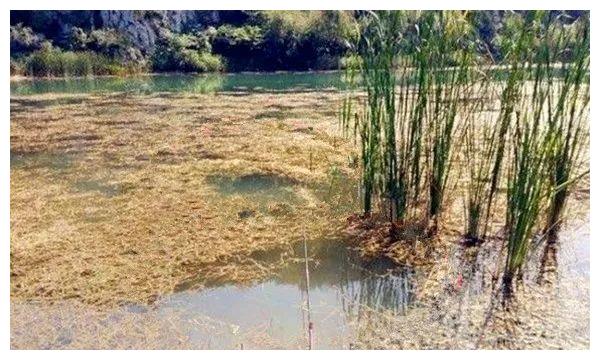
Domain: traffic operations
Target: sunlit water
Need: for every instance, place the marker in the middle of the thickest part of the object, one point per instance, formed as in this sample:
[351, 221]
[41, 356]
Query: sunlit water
[195, 83]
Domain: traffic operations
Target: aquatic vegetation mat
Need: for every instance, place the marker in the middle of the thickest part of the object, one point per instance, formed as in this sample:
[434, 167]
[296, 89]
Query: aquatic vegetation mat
[119, 198]
[127, 208]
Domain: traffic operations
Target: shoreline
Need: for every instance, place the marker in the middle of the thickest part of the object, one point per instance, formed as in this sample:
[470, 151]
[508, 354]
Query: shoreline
[18, 78]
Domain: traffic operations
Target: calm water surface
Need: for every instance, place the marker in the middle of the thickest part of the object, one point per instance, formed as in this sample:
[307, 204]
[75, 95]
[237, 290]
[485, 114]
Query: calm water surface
[265, 82]
[198, 83]
[342, 290]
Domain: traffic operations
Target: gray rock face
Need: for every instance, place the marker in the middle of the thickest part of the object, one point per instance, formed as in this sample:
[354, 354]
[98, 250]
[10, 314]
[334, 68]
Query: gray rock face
[141, 27]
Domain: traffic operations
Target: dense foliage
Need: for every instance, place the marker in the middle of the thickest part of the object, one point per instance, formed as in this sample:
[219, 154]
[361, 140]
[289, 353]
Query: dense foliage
[205, 41]
[185, 53]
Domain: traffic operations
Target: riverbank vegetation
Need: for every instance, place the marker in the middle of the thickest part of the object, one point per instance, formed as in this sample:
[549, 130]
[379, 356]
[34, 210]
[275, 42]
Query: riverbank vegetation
[243, 41]
[532, 147]
[204, 41]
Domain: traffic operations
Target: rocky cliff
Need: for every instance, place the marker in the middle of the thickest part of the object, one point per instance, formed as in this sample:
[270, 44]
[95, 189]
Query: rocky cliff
[140, 27]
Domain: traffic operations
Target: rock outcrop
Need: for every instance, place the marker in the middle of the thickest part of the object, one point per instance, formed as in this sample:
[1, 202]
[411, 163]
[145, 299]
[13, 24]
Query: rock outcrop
[140, 27]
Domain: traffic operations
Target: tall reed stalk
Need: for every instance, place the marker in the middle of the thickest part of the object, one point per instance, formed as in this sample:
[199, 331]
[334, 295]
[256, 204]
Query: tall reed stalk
[377, 49]
[549, 135]
[486, 159]
[447, 40]
[526, 188]
[479, 140]
[567, 115]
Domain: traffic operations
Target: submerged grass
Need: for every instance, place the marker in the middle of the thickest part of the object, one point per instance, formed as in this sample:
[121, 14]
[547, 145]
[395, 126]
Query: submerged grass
[170, 223]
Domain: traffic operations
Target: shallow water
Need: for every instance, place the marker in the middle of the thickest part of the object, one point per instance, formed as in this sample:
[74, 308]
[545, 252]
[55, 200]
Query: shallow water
[257, 82]
[350, 299]
[341, 287]
[53, 161]
[348, 295]
[261, 190]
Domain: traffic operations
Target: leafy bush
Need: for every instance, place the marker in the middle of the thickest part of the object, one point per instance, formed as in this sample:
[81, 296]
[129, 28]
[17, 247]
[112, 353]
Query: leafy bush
[241, 46]
[198, 61]
[326, 40]
[108, 42]
[186, 53]
[303, 40]
[247, 35]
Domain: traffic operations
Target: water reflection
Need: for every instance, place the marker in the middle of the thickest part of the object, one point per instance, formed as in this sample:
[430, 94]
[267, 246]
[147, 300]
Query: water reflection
[343, 292]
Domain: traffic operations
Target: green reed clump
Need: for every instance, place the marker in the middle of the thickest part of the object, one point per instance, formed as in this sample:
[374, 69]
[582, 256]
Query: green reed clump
[376, 124]
[413, 88]
[567, 115]
[425, 88]
[537, 135]
[55, 62]
[486, 138]
[526, 185]
[448, 47]
[527, 161]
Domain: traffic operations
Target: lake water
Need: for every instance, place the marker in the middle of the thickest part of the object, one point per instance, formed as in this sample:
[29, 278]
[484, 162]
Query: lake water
[344, 291]
[304, 81]
[196, 83]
